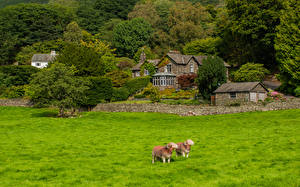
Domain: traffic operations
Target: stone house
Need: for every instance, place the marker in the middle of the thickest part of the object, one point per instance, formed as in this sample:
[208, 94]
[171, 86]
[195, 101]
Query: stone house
[42, 60]
[240, 92]
[170, 67]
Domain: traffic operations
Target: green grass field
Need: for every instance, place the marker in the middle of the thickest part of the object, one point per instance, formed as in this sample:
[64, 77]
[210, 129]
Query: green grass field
[114, 149]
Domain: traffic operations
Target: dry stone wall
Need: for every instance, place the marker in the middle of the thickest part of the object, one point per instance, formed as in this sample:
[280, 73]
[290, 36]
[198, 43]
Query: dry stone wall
[185, 110]
[15, 102]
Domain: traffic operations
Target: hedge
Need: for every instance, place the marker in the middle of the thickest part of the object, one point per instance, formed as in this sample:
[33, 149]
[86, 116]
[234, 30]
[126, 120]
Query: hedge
[100, 90]
[137, 84]
[120, 94]
[16, 75]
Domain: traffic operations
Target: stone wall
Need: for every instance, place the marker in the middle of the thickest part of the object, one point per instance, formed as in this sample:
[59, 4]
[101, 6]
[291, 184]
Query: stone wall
[196, 110]
[224, 98]
[15, 102]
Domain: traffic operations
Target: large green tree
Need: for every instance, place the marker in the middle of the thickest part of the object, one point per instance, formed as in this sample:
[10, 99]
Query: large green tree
[211, 75]
[129, 36]
[25, 24]
[287, 45]
[253, 26]
[58, 86]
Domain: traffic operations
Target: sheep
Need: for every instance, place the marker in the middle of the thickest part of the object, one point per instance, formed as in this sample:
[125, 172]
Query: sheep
[184, 148]
[163, 152]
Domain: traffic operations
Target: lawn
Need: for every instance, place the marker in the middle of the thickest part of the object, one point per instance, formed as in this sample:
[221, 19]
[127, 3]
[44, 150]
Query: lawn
[114, 149]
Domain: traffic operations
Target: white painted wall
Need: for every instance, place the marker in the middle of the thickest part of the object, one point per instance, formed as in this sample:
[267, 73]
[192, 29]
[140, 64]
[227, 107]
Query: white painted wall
[39, 64]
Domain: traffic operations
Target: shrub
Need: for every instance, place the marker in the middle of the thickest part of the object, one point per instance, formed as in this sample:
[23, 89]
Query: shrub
[14, 92]
[152, 92]
[136, 84]
[100, 89]
[16, 75]
[118, 78]
[187, 81]
[250, 72]
[297, 91]
[120, 94]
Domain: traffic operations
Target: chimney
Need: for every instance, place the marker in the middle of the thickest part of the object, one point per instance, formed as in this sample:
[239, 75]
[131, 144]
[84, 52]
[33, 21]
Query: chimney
[143, 57]
[53, 53]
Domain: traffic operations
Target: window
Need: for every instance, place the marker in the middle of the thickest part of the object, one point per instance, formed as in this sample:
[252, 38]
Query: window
[146, 72]
[192, 68]
[38, 64]
[169, 68]
[137, 74]
[233, 95]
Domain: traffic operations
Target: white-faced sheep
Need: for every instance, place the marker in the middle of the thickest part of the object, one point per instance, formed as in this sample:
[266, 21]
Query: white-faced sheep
[163, 152]
[184, 148]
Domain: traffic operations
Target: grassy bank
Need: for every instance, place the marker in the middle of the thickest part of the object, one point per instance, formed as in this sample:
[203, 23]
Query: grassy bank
[114, 149]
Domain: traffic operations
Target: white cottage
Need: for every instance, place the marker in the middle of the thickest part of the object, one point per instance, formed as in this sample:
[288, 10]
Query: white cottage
[42, 60]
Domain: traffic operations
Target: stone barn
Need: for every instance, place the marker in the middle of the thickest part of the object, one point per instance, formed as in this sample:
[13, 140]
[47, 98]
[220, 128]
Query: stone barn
[240, 92]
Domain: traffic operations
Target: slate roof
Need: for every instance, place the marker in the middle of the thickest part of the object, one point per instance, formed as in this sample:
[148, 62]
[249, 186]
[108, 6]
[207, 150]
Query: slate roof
[238, 87]
[43, 58]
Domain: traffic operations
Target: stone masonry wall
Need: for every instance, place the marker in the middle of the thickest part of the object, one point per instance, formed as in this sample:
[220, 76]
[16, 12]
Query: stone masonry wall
[196, 110]
[15, 102]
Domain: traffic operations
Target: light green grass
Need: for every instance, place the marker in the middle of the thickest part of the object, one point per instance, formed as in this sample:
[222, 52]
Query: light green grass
[114, 149]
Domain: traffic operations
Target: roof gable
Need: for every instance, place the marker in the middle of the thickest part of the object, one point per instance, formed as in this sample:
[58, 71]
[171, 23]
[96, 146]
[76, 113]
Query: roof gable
[43, 58]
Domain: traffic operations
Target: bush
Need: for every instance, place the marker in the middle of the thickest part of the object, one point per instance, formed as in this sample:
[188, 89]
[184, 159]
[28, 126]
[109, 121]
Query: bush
[100, 89]
[120, 94]
[14, 92]
[187, 81]
[16, 75]
[297, 91]
[181, 94]
[136, 84]
[250, 72]
[118, 78]
[152, 92]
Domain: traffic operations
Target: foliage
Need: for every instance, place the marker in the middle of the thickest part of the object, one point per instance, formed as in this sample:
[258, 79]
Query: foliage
[120, 94]
[90, 59]
[26, 53]
[152, 92]
[297, 91]
[187, 80]
[25, 24]
[4, 3]
[149, 67]
[73, 33]
[211, 75]
[287, 46]
[16, 75]
[171, 93]
[106, 30]
[58, 86]
[136, 84]
[129, 36]
[124, 63]
[250, 72]
[116, 144]
[253, 29]
[118, 77]
[14, 92]
[206, 46]
[100, 90]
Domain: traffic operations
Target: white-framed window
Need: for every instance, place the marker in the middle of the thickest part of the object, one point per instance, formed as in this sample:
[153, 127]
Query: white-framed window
[232, 95]
[38, 64]
[169, 68]
[192, 68]
[146, 72]
[137, 74]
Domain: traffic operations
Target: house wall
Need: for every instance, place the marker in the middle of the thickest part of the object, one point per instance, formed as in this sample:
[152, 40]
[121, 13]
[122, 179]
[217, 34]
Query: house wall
[41, 64]
[224, 98]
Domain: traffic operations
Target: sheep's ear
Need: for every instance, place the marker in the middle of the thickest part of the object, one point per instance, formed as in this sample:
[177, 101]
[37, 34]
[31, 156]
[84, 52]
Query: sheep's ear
[168, 146]
[184, 143]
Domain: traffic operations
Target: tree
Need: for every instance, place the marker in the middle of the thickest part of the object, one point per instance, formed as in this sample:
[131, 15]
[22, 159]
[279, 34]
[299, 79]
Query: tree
[73, 33]
[211, 75]
[207, 46]
[129, 36]
[147, 50]
[89, 58]
[250, 72]
[25, 24]
[58, 86]
[253, 27]
[106, 30]
[287, 47]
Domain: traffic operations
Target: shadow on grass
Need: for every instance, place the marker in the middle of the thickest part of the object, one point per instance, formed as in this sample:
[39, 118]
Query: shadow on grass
[45, 114]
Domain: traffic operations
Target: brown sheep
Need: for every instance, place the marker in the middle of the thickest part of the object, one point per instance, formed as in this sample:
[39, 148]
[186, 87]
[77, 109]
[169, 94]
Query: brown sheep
[163, 152]
[184, 148]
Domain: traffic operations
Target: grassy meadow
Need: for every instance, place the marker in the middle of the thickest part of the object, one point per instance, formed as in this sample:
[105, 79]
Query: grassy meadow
[114, 149]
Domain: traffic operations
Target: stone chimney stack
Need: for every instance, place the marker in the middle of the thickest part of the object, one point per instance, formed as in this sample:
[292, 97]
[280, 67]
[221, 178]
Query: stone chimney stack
[53, 53]
[143, 57]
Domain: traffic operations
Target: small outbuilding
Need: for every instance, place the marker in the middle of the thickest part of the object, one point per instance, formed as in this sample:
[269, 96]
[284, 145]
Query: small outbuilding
[42, 60]
[240, 92]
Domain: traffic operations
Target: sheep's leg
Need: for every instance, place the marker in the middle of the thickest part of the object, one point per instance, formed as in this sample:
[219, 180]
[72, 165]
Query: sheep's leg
[183, 154]
[169, 160]
[187, 155]
[153, 158]
[164, 160]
